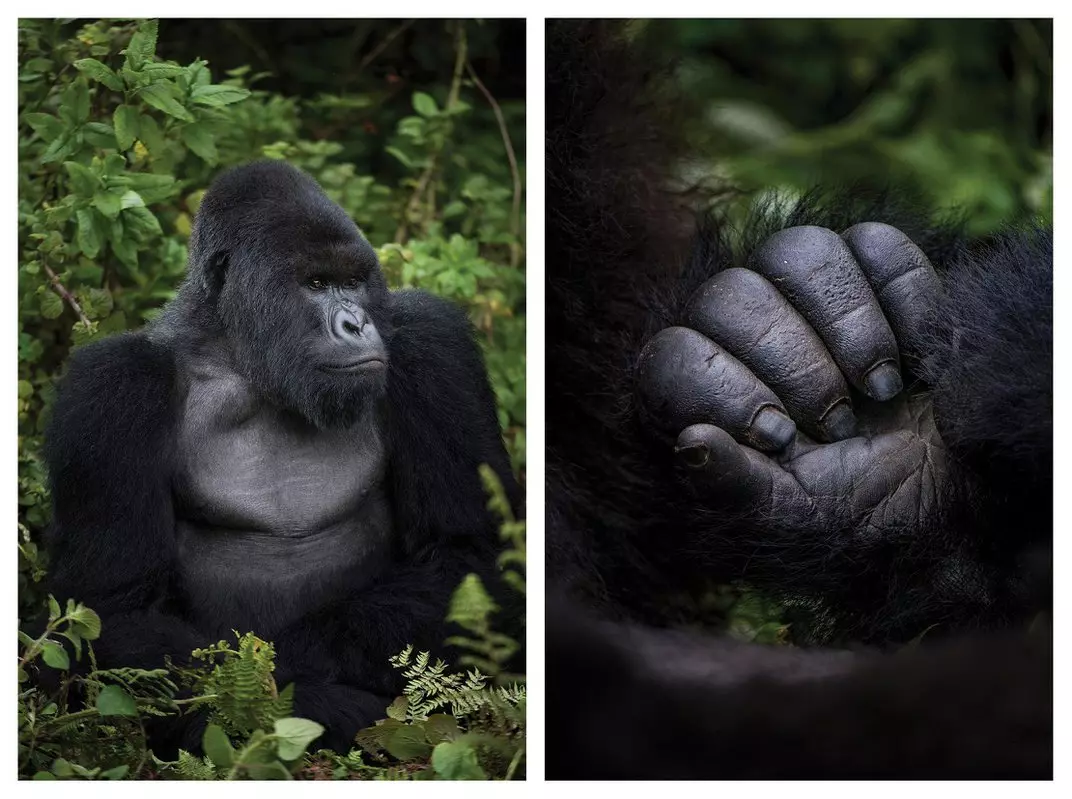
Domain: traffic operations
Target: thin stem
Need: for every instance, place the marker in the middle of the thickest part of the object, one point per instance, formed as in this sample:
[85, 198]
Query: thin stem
[515, 211]
[67, 297]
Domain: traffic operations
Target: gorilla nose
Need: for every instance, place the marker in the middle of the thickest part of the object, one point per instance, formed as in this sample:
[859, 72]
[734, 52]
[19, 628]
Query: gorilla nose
[349, 324]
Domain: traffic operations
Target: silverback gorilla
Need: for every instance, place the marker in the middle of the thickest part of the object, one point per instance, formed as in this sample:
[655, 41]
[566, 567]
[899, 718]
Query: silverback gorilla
[837, 404]
[290, 449]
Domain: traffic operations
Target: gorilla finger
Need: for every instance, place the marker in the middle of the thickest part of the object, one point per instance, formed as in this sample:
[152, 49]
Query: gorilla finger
[684, 378]
[901, 277]
[717, 465]
[815, 269]
[744, 313]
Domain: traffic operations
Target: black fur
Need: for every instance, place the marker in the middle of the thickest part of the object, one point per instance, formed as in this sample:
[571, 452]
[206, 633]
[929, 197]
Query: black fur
[111, 451]
[625, 533]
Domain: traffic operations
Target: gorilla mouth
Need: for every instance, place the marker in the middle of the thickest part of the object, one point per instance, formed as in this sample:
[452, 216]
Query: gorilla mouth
[372, 363]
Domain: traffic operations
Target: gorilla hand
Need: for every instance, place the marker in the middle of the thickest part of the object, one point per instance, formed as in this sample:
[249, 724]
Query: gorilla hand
[784, 390]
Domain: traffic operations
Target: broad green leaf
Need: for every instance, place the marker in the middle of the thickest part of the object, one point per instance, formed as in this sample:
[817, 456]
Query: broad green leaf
[142, 45]
[46, 126]
[424, 104]
[125, 120]
[75, 103]
[294, 735]
[92, 68]
[397, 709]
[108, 203]
[89, 235]
[201, 142]
[99, 134]
[456, 760]
[150, 134]
[60, 148]
[131, 199]
[86, 622]
[140, 223]
[218, 747]
[55, 655]
[83, 181]
[162, 71]
[407, 743]
[51, 305]
[54, 611]
[160, 96]
[441, 727]
[114, 701]
[216, 95]
[152, 188]
[116, 773]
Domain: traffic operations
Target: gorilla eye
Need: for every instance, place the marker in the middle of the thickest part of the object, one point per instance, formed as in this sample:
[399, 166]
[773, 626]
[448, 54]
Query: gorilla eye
[351, 283]
[316, 283]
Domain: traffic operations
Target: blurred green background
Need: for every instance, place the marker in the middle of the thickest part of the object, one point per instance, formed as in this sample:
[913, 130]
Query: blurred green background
[960, 110]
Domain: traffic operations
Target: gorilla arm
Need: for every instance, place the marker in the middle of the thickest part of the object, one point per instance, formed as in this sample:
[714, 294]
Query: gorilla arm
[441, 426]
[109, 451]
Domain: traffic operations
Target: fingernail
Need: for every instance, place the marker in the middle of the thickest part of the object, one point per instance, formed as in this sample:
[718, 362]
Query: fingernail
[883, 382]
[772, 429]
[695, 456]
[839, 422]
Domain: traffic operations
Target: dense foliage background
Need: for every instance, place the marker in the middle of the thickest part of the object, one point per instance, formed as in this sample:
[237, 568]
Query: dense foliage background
[416, 127]
[960, 110]
[956, 112]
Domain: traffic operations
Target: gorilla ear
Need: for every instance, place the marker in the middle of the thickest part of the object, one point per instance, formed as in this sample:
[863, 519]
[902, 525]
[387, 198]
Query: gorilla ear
[214, 274]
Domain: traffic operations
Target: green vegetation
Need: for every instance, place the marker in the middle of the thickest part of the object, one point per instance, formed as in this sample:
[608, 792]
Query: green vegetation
[959, 110]
[116, 147]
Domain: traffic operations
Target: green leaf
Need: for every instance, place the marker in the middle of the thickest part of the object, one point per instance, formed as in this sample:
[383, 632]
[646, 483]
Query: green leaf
[125, 120]
[116, 773]
[218, 747]
[83, 182]
[114, 701]
[131, 199]
[46, 126]
[74, 107]
[99, 134]
[56, 656]
[54, 611]
[397, 709]
[86, 622]
[152, 188]
[142, 45]
[424, 104]
[60, 148]
[216, 95]
[160, 97]
[140, 223]
[108, 203]
[162, 71]
[201, 142]
[456, 760]
[441, 727]
[89, 235]
[407, 743]
[294, 735]
[92, 68]
[150, 134]
[51, 305]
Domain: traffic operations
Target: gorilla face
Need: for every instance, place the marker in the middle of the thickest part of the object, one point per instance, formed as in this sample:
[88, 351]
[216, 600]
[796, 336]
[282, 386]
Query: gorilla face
[299, 293]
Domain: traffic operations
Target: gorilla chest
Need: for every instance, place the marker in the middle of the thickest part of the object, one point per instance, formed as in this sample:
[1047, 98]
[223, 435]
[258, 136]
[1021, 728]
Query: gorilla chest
[273, 514]
[270, 472]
